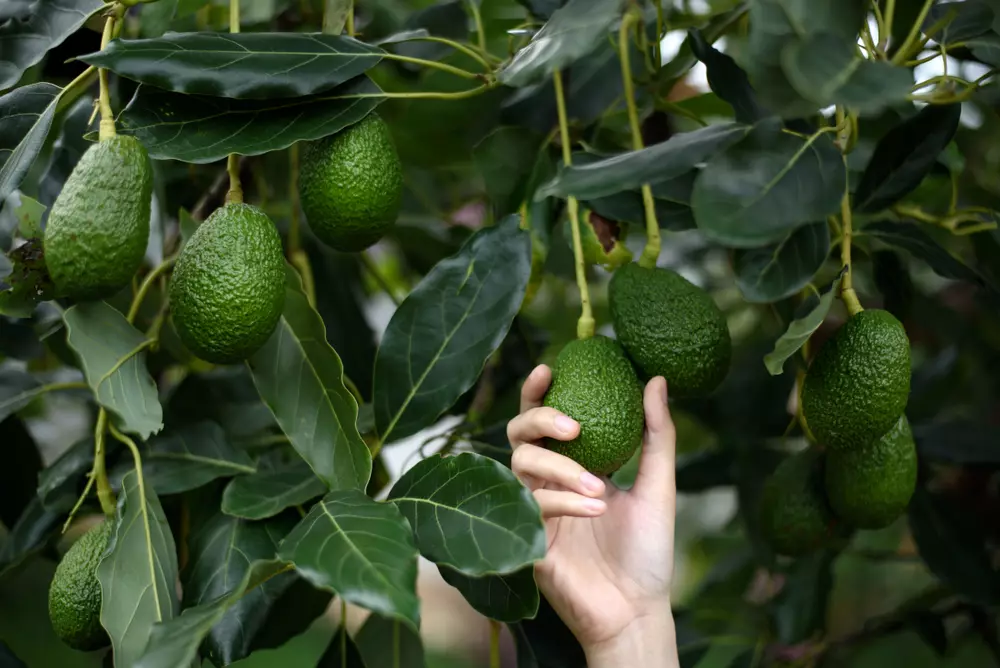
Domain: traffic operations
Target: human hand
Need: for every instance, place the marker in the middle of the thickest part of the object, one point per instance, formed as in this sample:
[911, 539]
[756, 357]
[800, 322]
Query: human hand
[609, 564]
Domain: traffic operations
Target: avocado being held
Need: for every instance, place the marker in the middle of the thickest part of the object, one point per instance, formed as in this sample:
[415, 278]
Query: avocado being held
[671, 328]
[857, 386]
[351, 185]
[794, 514]
[97, 231]
[869, 487]
[75, 592]
[594, 383]
[228, 287]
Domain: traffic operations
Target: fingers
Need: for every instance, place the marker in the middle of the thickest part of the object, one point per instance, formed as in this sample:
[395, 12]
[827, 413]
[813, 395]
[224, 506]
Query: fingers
[537, 423]
[567, 504]
[535, 386]
[656, 466]
[537, 466]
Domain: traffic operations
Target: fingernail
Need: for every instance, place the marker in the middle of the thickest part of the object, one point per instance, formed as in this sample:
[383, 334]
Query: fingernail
[565, 425]
[595, 506]
[591, 482]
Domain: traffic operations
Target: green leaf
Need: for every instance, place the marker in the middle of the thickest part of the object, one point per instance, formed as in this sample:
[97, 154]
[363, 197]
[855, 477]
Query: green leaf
[772, 181]
[59, 484]
[335, 14]
[266, 493]
[360, 549]
[772, 273]
[138, 573]
[29, 534]
[904, 156]
[106, 344]
[17, 390]
[301, 379]
[801, 329]
[26, 116]
[727, 79]
[200, 129]
[341, 652]
[505, 159]
[21, 464]
[250, 65]
[175, 642]
[29, 280]
[495, 529]
[920, 245]
[800, 610]
[15, 9]
[505, 598]
[25, 42]
[967, 19]
[653, 164]
[387, 643]
[29, 215]
[67, 150]
[574, 30]
[985, 48]
[444, 331]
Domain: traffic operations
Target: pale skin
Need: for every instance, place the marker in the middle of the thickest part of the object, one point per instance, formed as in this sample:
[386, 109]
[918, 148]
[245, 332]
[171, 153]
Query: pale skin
[609, 564]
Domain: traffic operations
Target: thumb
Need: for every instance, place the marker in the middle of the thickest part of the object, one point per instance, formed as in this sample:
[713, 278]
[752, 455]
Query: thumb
[656, 476]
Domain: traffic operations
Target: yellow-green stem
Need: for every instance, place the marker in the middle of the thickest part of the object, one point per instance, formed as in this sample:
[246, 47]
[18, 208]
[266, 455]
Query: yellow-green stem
[235, 193]
[477, 19]
[494, 644]
[350, 21]
[352, 387]
[847, 293]
[147, 283]
[890, 11]
[585, 325]
[470, 52]
[104, 492]
[903, 53]
[373, 270]
[70, 385]
[234, 16]
[107, 127]
[425, 95]
[444, 67]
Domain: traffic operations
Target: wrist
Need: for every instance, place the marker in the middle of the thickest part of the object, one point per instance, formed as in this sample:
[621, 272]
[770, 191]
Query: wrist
[649, 640]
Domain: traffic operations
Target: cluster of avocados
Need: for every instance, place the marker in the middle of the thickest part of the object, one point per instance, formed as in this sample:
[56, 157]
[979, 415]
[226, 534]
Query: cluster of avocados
[853, 401]
[665, 326]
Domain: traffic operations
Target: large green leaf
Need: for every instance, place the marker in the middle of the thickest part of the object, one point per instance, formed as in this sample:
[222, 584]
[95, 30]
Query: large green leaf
[574, 30]
[138, 573]
[727, 79]
[470, 512]
[920, 245]
[267, 492]
[441, 336]
[196, 128]
[965, 20]
[387, 643]
[341, 652]
[505, 598]
[301, 379]
[24, 42]
[505, 159]
[798, 332]
[361, 549]
[251, 65]
[106, 345]
[772, 181]
[26, 115]
[771, 273]
[59, 485]
[29, 534]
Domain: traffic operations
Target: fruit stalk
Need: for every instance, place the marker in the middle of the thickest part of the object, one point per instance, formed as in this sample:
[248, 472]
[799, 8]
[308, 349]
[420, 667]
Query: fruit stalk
[585, 325]
[847, 292]
[235, 193]
[104, 492]
[107, 126]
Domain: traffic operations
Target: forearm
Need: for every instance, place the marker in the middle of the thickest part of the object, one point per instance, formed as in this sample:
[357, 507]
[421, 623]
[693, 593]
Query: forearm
[648, 641]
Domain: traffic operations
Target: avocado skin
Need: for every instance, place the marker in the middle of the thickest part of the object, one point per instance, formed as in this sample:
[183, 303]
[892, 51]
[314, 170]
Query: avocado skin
[75, 592]
[795, 516]
[96, 235]
[870, 487]
[594, 383]
[351, 185]
[670, 328]
[228, 287]
[859, 382]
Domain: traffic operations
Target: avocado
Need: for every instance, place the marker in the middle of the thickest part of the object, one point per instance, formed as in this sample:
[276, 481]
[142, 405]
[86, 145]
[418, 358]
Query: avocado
[98, 228]
[869, 487]
[351, 185]
[795, 517]
[594, 383]
[75, 592]
[228, 287]
[670, 328]
[857, 385]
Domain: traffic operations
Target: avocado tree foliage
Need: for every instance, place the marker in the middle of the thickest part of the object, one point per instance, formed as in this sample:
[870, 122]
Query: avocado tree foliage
[845, 152]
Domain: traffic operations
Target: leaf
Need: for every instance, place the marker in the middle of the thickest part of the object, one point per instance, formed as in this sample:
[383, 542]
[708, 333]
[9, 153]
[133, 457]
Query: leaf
[67, 150]
[15, 9]
[495, 529]
[387, 643]
[21, 464]
[727, 79]
[801, 329]
[200, 129]
[573, 31]
[772, 273]
[444, 331]
[24, 124]
[505, 159]
[360, 549]
[301, 379]
[106, 344]
[29, 534]
[505, 598]
[653, 164]
[547, 640]
[800, 610]
[985, 48]
[266, 493]
[29, 280]
[59, 484]
[920, 245]
[958, 442]
[758, 189]
[17, 390]
[250, 65]
[138, 572]
[969, 19]
[904, 156]
[29, 217]
[175, 642]
[341, 652]
[335, 14]
[24, 42]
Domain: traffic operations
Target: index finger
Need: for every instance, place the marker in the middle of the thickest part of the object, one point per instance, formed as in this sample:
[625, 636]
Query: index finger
[535, 386]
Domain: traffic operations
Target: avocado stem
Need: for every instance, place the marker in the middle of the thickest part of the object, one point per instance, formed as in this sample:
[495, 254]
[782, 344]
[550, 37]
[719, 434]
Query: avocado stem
[107, 126]
[847, 293]
[235, 193]
[104, 492]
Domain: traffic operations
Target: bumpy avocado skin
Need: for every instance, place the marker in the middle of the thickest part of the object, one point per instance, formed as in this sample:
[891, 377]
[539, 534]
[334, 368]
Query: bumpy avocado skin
[858, 384]
[228, 287]
[351, 185]
[795, 516]
[75, 593]
[594, 383]
[671, 328]
[870, 487]
[98, 229]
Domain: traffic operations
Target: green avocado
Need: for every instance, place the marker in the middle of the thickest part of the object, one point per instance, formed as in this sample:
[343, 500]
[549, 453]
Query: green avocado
[869, 487]
[351, 185]
[75, 593]
[795, 517]
[857, 386]
[671, 328]
[98, 228]
[228, 287]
